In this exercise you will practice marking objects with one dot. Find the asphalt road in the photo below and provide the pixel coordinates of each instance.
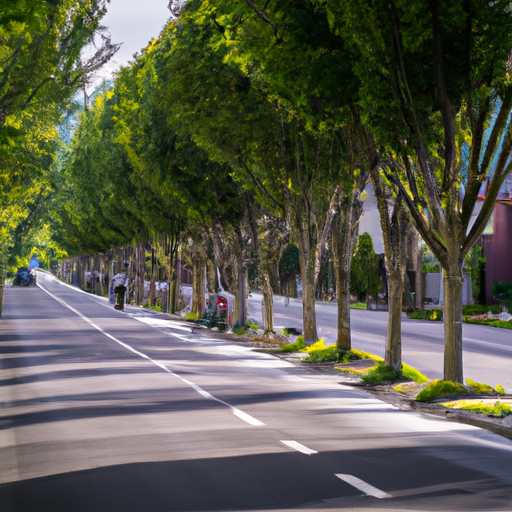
(487, 350)
(108, 411)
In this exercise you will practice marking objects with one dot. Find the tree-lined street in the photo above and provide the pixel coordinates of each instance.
(105, 410)
(487, 350)
(236, 151)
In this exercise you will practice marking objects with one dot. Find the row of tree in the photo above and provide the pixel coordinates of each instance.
(41, 67)
(243, 126)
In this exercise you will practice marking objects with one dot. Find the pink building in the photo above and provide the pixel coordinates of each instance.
(497, 247)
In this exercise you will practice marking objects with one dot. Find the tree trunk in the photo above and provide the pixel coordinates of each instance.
(418, 296)
(394, 229)
(267, 304)
(343, 246)
(308, 293)
(239, 289)
(2, 283)
(394, 332)
(452, 317)
(198, 293)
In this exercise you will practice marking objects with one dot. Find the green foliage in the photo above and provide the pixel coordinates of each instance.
(147, 305)
(440, 388)
(382, 373)
(480, 309)
(239, 331)
(481, 389)
(321, 355)
(410, 373)
(497, 410)
(318, 345)
(364, 270)
(191, 317)
(358, 305)
(502, 290)
(499, 389)
(431, 268)
(428, 314)
(502, 324)
(472, 266)
(298, 346)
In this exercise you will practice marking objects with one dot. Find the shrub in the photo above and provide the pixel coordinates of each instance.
(428, 314)
(497, 410)
(481, 389)
(239, 331)
(359, 354)
(382, 373)
(500, 390)
(501, 323)
(298, 346)
(330, 353)
(480, 309)
(191, 316)
(439, 388)
(319, 353)
(411, 373)
(318, 345)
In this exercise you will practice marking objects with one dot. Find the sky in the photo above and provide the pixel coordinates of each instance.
(134, 23)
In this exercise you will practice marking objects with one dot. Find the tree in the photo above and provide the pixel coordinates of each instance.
(364, 272)
(277, 118)
(42, 67)
(437, 96)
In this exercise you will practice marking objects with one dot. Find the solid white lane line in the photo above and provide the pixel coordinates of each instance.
(363, 486)
(299, 447)
(237, 412)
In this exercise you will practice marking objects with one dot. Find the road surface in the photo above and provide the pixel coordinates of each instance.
(487, 350)
(130, 411)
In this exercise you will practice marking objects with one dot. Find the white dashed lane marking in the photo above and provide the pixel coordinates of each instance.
(363, 486)
(299, 447)
(237, 412)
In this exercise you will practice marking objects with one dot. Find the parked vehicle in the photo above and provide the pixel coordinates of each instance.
(23, 277)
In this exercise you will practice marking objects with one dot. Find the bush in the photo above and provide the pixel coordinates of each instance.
(411, 373)
(191, 317)
(359, 354)
(502, 324)
(330, 353)
(480, 309)
(428, 314)
(298, 346)
(500, 390)
(382, 373)
(439, 388)
(318, 345)
(239, 331)
(497, 410)
(319, 353)
(481, 389)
